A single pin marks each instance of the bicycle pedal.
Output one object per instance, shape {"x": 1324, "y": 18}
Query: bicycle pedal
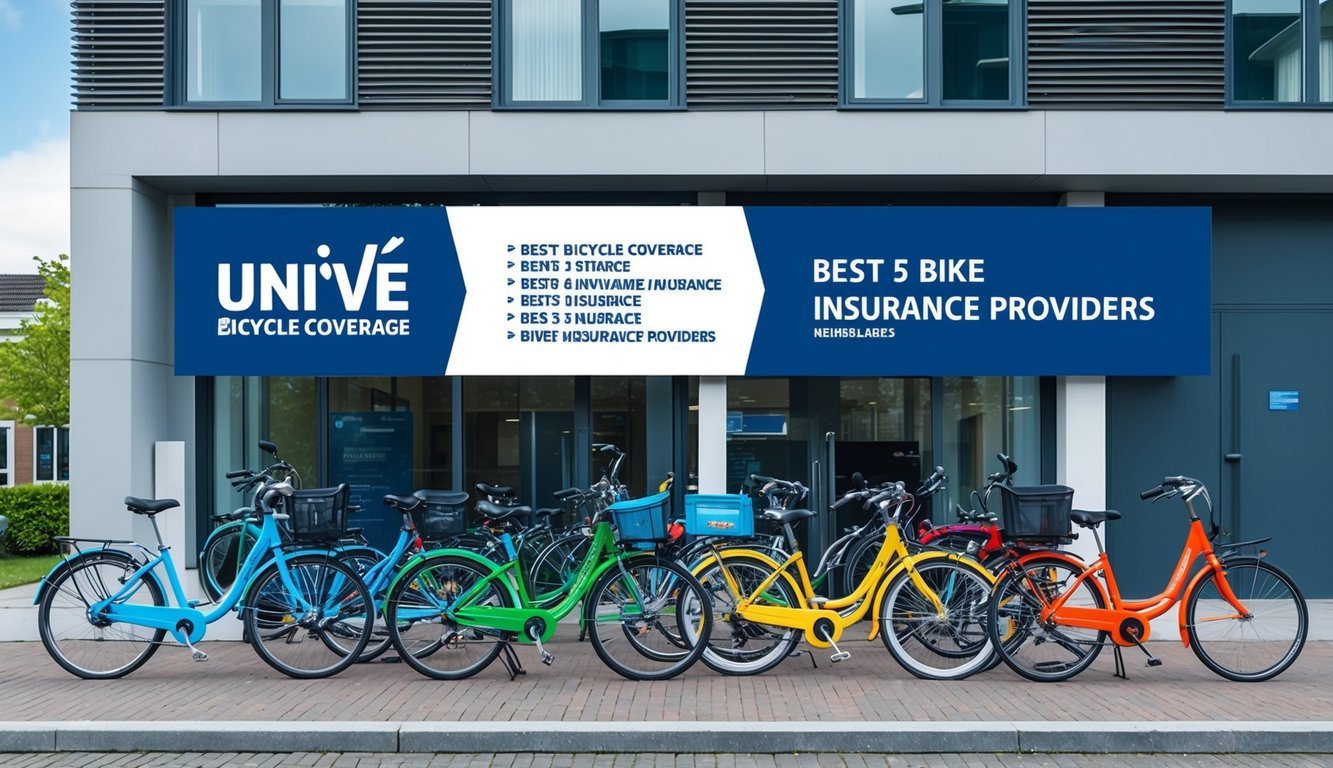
{"x": 1153, "y": 662}
{"x": 839, "y": 656}
{"x": 198, "y": 655}
{"x": 547, "y": 658}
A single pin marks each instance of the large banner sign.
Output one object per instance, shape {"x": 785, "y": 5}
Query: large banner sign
{"x": 873, "y": 291}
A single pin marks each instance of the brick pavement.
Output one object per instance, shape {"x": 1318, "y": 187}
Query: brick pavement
{"x": 236, "y": 685}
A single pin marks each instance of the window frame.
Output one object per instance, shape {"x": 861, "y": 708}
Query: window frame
{"x": 502, "y": 73}
{"x": 7, "y": 445}
{"x": 55, "y": 453}
{"x": 1309, "y": 65}
{"x": 177, "y": 53}
{"x": 934, "y": 64}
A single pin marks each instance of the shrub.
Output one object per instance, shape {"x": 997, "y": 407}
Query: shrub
{"x": 36, "y": 513}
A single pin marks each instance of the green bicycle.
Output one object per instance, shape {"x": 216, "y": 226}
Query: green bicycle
{"x": 451, "y": 612}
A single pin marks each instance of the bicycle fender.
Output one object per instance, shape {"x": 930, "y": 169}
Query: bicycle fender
{"x": 484, "y": 562}
{"x": 883, "y": 588}
{"x": 65, "y": 565}
{"x": 1194, "y": 584}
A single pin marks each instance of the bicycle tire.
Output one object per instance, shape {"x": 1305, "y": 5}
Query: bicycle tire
{"x": 1029, "y": 647}
{"x": 738, "y": 646}
{"x": 857, "y": 566}
{"x": 425, "y": 637}
{"x": 554, "y": 568}
{"x": 219, "y": 560}
{"x": 648, "y": 598}
{"x": 280, "y": 630}
{"x": 361, "y": 558}
{"x": 931, "y": 647}
{"x": 1271, "y": 596}
{"x": 74, "y": 641}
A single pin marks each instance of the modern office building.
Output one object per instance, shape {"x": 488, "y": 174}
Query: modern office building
{"x": 669, "y": 103}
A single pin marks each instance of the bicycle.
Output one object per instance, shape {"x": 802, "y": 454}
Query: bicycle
{"x": 1056, "y": 612}
{"x": 929, "y": 603}
{"x": 103, "y": 611}
{"x": 452, "y": 612}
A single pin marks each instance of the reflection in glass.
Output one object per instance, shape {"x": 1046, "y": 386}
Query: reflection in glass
{"x": 888, "y": 49}
{"x": 983, "y": 417}
{"x": 222, "y": 57}
{"x": 546, "y": 50}
{"x": 312, "y": 49}
{"x": 976, "y": 50}
{"x": 620, "y": 417}
{"x": 1266, "y": 50}
{"x": 634, "y": 49}
{"x": 519, "y": 432}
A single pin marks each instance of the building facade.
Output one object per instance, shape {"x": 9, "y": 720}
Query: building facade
{"x": 29, "y": 453}
{"x": 1221, "y": 105}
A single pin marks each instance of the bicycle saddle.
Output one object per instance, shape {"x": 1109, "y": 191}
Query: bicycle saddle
{"x": 503, "y": 511}
{"x": 403, "y": 503}
{"x": 149, "y": 506}
{"x": 496, "y": 490}
{"x": 1093, "y": 519}
{"x": 786, "y": 516}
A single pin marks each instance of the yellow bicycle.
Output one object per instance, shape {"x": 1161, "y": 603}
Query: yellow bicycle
{"x": 930, "y": 603}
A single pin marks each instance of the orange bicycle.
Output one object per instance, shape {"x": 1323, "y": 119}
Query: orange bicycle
{"x": 1050, "y": 613}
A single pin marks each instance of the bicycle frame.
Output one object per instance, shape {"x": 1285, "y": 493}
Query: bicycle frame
{"x": 824, "y": 621}
{"x": 1122, "y": 617}
{"x": 602, "y": 555}
{"x": 184, "y": 620}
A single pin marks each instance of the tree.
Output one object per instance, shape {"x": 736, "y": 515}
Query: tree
{"x": 34, "y": 371}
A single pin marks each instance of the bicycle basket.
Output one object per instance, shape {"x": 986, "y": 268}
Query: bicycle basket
{"x": 1038, "y": 512}
{"x": 317, "y": 514}
{"x": 719, "y": 514}
{"x": 641, "y": 520}
{"x": 443, "y": 515}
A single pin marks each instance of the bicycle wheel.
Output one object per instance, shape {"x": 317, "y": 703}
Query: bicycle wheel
{"x": 96, "y": 649}
{"x": 417, "y": 613}
{"x": 648, "y": 618}
{"x": 315, "y": 623}
{"x": 1248, "y": 648}
{"x": 553, "y": 569}
{"x": 362, "y": 558}
{"x": 1045, "y": 652}
{"x": 932, "y": 646}
{"x": 738, "y": 646}
{"x": 221, "y": 558}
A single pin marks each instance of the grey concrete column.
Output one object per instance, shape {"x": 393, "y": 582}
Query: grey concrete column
{"x": 124, "y": 397}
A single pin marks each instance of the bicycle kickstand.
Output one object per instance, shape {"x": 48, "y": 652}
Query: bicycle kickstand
{"x": 1120, "y": 664}
{"x": 510, "y": 660}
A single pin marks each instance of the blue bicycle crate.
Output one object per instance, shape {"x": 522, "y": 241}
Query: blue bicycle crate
{"x": 641, "y": 519}
{"x": 719, "y": 515}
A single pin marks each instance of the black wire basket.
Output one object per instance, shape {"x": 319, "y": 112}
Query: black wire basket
{"x": 317, "y": 514}
{"x": 442, "y": 516}
{"x": 1037, "y": 512}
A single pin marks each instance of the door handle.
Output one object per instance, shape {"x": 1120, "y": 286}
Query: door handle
{"x": 1232, "y": 457}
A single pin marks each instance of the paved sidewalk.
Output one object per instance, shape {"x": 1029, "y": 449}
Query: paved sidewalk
{"x": 866, "y": 704}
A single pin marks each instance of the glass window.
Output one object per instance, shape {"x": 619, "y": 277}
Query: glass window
{"x": 587, "y": 53}
{"x": 1266, "y": 50}
{"x": 312, "y": 50}
{"x": 932, "y": 52}
{"x": 984, "y": 417}
{"x": 1326, "y": 51}
{"x": 229, "y": 54}
{"x": 50, "y": 448}
{"x": 520, "y": 432}
{"x": 6, "y": 449}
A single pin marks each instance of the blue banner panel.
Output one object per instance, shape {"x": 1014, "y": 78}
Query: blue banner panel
{"x": 315, "y": 291}
{"x": 716, "y": 291}
{"x": 982, "y": 291}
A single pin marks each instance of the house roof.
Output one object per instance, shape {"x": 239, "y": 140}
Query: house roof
{"x": 19, "y": 293}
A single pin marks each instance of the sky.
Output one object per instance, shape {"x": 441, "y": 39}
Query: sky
{"x": 35, "y": 87}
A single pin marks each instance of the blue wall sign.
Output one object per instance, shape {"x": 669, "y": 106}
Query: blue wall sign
{"x": 1284, "y": 400}
{"x": 716, "y": 291}
{"x": 372, "y": 453}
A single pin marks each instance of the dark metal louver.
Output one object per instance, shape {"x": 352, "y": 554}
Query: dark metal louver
{"x": 768, "y": 54}
{"x": 119, "y": 52}
{"x": 1126, "y": 54}
{"x": 427, "y": 53}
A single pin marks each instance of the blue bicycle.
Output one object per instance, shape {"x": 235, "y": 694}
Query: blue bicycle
{"x": 103, "y": 610}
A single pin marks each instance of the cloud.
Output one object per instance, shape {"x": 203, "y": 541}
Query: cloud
{"x": 10, "y": 17}
{"x": 34, "y": 204}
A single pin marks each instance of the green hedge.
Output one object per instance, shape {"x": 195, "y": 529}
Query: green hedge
{"x": 36, "y": 513}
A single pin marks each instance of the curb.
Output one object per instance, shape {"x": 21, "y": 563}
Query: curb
{"x": 1315, "y": 737}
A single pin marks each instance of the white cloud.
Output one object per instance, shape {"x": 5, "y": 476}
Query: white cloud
{"x": 34, "y": 204}
{"x": 10, "y": 17}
